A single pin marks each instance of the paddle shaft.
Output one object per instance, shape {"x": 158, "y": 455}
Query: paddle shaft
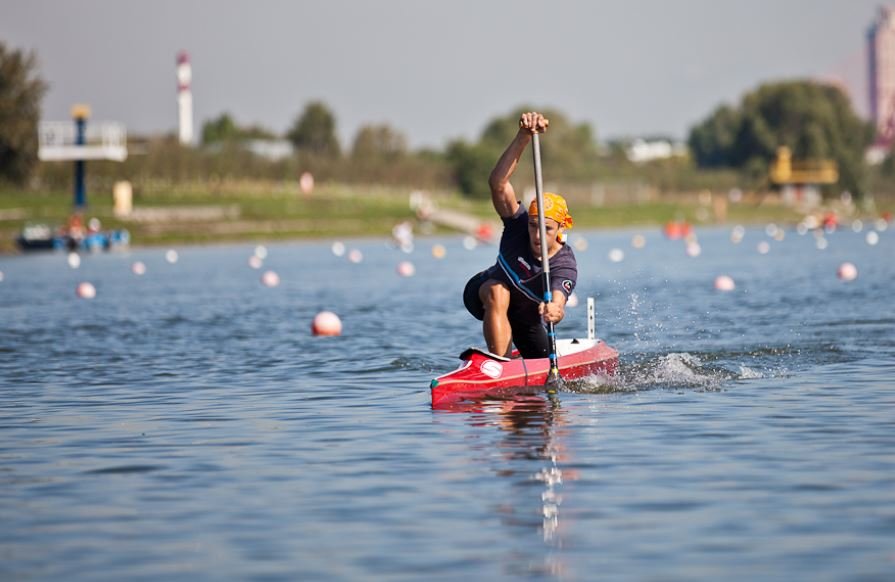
{"x": 553, "y": 375}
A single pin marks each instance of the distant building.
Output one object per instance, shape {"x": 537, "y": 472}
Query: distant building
{"x": 881, "y": 65}
{"x": 640, "y": 150}
{"x": 271, "y": 149}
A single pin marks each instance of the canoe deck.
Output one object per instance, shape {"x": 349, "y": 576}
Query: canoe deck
{"x": 485, "y": 375}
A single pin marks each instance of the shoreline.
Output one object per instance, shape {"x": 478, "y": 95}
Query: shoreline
{"x": 330, "y": 213}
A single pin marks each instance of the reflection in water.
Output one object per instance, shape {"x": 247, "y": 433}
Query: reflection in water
{"x": 530, "y": 450}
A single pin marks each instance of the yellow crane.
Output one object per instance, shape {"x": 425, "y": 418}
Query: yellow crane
{"x": 784, "y": 171}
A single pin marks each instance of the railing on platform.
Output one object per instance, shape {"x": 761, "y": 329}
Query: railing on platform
{"x": 57, "y": 141}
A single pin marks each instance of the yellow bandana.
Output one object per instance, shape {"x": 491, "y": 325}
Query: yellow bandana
{"x": 555, "y": 207}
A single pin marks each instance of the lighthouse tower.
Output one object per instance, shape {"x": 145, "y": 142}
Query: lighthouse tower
{"x": 184, "y": 98}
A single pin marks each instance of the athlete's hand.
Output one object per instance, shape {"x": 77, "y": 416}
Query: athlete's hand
{"x": 533, "y": 122}
{"x": 552, "y": 312}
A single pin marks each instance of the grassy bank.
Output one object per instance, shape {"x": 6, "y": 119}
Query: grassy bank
{"x": 253, "y": 211}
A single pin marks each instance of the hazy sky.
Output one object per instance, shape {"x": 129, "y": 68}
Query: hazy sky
{"x": 435, "y": 70}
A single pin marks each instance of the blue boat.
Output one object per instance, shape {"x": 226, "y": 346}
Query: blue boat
{"x": 42, "y": 237}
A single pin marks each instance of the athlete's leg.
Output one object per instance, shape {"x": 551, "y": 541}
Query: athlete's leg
{"x": 496, "y": 328}
{"x": 530, "y": 339}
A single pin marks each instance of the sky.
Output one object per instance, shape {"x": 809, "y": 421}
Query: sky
{"x": 435, "y": 70}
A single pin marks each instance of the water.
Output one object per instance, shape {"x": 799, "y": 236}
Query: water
{"x": 186, "y": 425}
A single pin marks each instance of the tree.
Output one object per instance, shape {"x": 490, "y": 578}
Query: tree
{"x": 219, "y": 130}
{"x": 711, "y": 142}
{"x": 21, "y": 92}
{"x": 315, "y": 131}
{"x": 570, "y": 150}
{"x": 224, "y": 129}
{"x": 472, "y": 164}
{"x": 814, "y": 120}
{"x": 378, "y": 143}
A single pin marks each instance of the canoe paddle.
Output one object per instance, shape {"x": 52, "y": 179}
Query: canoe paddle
{"x": 553, "y": 378}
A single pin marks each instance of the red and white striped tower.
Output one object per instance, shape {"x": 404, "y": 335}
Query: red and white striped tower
{"x": 184, "y": 98}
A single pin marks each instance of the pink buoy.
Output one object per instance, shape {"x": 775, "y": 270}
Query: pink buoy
{"x": 138, "y": 268}
{"x": 270, "y": 279}
{"x": 406, "y": 269}
{"x": 724, "y": 283}
{"x": 255, "y": 262}
{"x": 847, "y": 272}
{"x": 86, "y": 290}
{"x": 326, "y": 323}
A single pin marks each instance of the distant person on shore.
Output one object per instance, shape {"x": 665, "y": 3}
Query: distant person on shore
{"x": 508, "y": 296}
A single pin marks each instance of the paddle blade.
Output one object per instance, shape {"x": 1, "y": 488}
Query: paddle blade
{"x": 554, "y": 381}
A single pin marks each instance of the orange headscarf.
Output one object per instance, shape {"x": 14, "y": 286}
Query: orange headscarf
{"x": 555, "y": 207}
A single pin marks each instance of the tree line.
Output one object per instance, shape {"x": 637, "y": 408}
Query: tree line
{"x": 814, "y": 120}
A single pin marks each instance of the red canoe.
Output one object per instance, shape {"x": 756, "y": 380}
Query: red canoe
{"x": 484, "y": 375}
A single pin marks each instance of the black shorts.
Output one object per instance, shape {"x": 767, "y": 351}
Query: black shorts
{"x": 529, "y": 333}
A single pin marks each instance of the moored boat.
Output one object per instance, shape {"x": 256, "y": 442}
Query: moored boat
{"x": 486, "y": 375}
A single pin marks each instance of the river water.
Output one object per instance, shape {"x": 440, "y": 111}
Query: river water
{"x": 185, "y": 424}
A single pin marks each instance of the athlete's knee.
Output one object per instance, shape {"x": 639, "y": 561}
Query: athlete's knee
{"x": 494, "y": 295}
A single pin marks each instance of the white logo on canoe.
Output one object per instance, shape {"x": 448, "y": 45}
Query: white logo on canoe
{"x": 491, "y": 368}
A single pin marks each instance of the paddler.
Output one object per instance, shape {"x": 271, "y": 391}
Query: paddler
{"x": 508, "y": 297}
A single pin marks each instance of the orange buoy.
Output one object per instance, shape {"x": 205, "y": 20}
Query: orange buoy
{"x": 326, "y": 323}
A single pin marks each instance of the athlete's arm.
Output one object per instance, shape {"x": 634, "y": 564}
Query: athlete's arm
{"x": 502, "y": 194}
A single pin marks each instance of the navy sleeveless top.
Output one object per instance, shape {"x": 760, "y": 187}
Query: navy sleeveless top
{"x": 518, "y": 267}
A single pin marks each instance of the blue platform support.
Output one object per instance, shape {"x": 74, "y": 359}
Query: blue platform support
{"x": 80, "y": 187}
